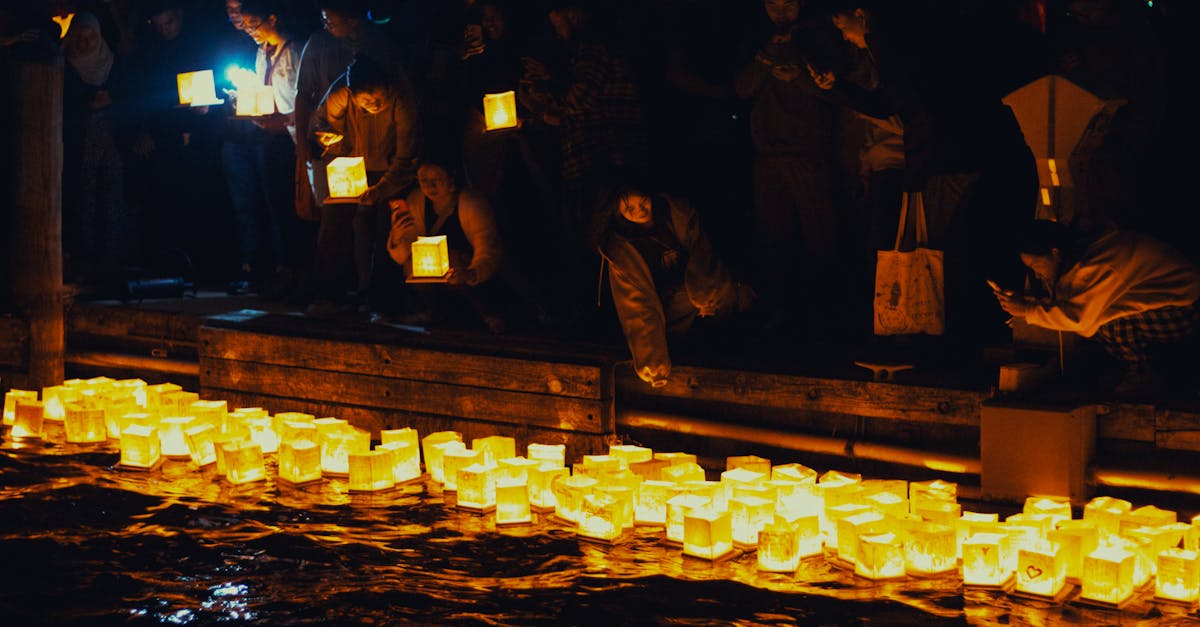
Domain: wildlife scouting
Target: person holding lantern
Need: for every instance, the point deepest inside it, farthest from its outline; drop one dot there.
(439, 207)
(663, 274)
(366, 113)
(1131, 293)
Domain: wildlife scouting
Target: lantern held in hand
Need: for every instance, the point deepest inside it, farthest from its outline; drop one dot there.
(197, 89)
(430, 258)
(347, 177)
(500, 110)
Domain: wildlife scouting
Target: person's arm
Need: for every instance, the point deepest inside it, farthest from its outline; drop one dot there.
(329, 119)
(406, 226)
(640, 312)
(402, 167)
(709, 287)
(479, 224)
(1081, 311)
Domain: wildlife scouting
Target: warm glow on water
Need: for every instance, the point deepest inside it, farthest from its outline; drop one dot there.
(86, 542)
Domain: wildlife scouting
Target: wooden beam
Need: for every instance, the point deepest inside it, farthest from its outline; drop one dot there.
(85, 319)
(14, 343)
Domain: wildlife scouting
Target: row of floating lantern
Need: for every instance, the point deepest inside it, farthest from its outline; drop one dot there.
(880, 529)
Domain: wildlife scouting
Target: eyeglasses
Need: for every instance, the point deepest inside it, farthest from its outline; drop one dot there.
(251, 25)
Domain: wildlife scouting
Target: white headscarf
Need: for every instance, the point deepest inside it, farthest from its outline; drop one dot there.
(93, 65)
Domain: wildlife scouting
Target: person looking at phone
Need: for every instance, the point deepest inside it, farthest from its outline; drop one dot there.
(1129, 292)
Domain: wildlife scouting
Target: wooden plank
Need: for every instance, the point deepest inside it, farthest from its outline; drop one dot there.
(120, 321)
(1125, 421)
(375, 419)
(554, 412)
(409, 363)
(14, 343)
(133, 345)
(858, 398)
(1177, 430)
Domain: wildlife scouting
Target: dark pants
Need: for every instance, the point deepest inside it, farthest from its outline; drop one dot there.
(259, 240)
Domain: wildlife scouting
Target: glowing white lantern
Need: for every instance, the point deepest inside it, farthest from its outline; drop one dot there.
(677, 508)
(299, 462)
(730, 479)
(1042, 522)
(155, 400)
(1077, 538)
(210, 412)
(10, 402)
(748, 515)
(600, 516)
(197, 89)
(27, 419)
(140, 447)
(512, 504)
(683, 472)
(403, 434)
(1108, 575)
(1178, 577)
(221, 445)
(262, 432)
(1041, 570)
(433, 457)
(1058, 508)
(296, 432)
(244, 462)
(595, 465)
(676, 457)
(500, 110)
(84, 424)
(372, 471)
(495, 448)
(933, 511)
(171, 435)
(888, 504)
(406, 460)
(895, 487)
(850, 528)
(795, 472)
(707, 533)
(931, 549)
(454, 458)
(347, 177)
(336, 446)
(568, 496)
(177, 403)
(114, 410)
(284, 418)
(778, 548)
(808, 531)
(651, 505)
(879, 556)
(515, 470)
(712, 490)
(982, 563)
(630, 453)
(201, 445)
(476, 486)
(1146, 516)
(541, 486)
(255, 100)
(650, 469)
(430, 257)
(554, 453)
(919, 492)
(838, 488)
(833, 517)
(752, 463)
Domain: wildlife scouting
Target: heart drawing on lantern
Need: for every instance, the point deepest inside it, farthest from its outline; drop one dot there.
(1033, 572)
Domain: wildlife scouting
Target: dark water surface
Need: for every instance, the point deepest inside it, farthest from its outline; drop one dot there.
(85, 542)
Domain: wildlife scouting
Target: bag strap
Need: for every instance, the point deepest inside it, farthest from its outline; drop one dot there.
(903, 220)
(922, 232)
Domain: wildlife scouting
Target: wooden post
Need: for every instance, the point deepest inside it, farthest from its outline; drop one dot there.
(35, 239)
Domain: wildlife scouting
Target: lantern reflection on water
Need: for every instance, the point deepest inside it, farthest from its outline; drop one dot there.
(140, 447)
(299, 462)
(707, 533)
(1178, 577)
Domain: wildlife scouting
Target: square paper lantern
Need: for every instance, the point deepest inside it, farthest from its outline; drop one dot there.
(730, 479)
(430, 257)
(406, 461)
(1058, 508)
(244, 462)
(879, 556)
(114, 410)
(752, 463)
(1041, 570)
(476, 485)
(748, 515)
(836, 488)
(10, 402)
(1146, 516)
(1077, 538)
(284, 417)
(455, 458)
(595, 465)
(851, 528)
(623, 497)
(403, 434)
(197, 89)
(515, 470)
(936, 490)
(650, 469)
(171, 435)
(601, 516)
(630, 453)
(931, 549)
(27, 419)
(201, 444)
(982, 563)
(945, 512)
(651, 505)
(336, 446)
(296, 432)
(568, 496)
(680, 506)
(223, 444)
(712, 490)
(55, 399)
(795, 472)
(347, 177)
(500, 110)
(1191, 539)
(541, 486)
(683, 472)
(707, 533)
(833, 517)
(495, 448)
(299, 462)
(1178, 576)
(554, 453)
(140, 447)
(888, 504)
(209, 412)
(512, 504)
(1108, 575)
(84, 424)
(262, 431)
(435, 457)
(255, 100)
(808, 532)
(778, 548)
(676, 457)
(371, 471)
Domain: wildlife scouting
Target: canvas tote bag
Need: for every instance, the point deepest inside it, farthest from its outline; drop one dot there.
(909, 284)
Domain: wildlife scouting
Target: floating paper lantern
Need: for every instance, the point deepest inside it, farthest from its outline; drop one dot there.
(623, 497)
(778, 548)
(888, 504)
(171, 435)
(836, 488)
(850, 528)
(283, 418)
(295, 432)
(114, 410)
(405, 434)
(879, 556)
(27, 419)
(1041, 570)
(336, 446)
(919, 492)
(512, 504)
(630, 453)
(10, 402)
(595, 465)
(651, 505)
(454, 458)
(1146, 516)
(834, 515)
(140, 447)
(554, 453)
(794, 472)
(730, 479)
(748, 515)
(197, 89)
(677, 507)
(1077, 538)
(476, 485)
(495, 448)
(177, 403)
(221, 445)
(210, 412)
(944, 512)
(515, 469)
(262, 431)
(500, 110)
(712, 490)
(568, 495)
(752, 463)
(650, 469)
(84, 424)
(808, 531)
(430, 257)
(1178, 577)
(931, 549)
(683, 472)
(201, 445)
(1041, 522)
(371, 471)
(407, 459)
(600, 516)
(300, 462)
(55, 398)
(1108, 575)
(347, 177)
(707, 533)
(982, 562)
(435, 454)
(541, 485)
(155, 397)
(675, 457)
(244, 462)
(1058, 508)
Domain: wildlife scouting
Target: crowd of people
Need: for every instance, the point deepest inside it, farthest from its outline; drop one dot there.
(699, 159)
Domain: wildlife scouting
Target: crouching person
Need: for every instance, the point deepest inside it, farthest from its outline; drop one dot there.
(663, 274)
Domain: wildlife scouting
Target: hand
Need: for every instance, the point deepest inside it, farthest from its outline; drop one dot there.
(823, 80)
(656, 377)
(786, 72)
(1017, 305)
(327, 139)
(369, 197)
(465, 276)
